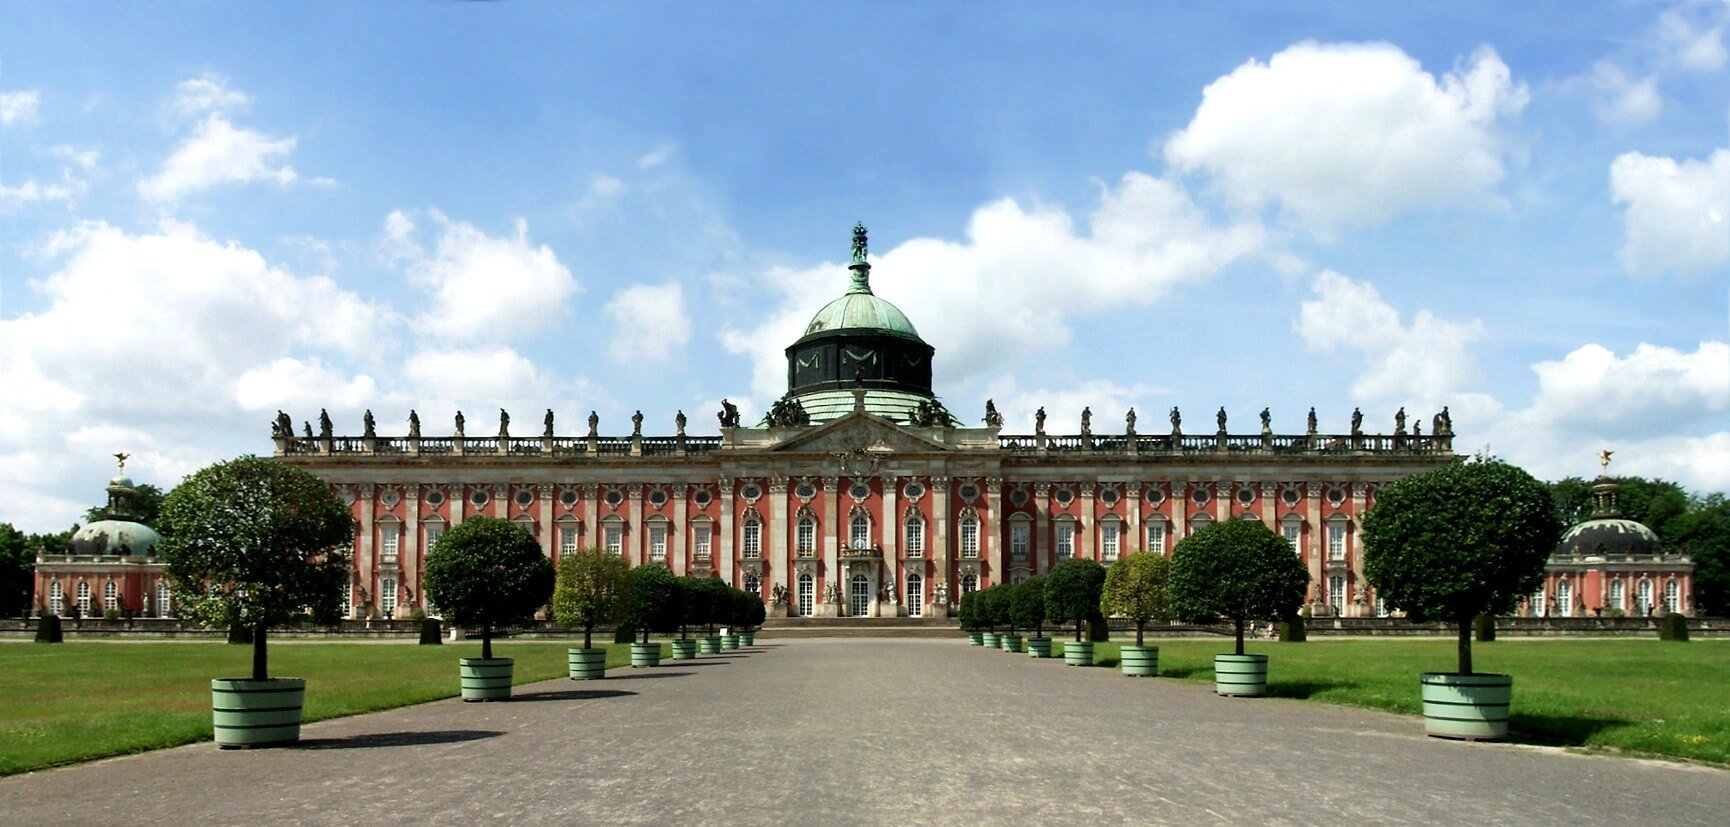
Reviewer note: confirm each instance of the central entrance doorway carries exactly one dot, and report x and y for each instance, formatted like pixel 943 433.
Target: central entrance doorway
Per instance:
pixel 915 596
pixel 859 596
pixel 807 595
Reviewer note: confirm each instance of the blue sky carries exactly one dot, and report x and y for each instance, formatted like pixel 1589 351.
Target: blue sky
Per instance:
pixel 210 211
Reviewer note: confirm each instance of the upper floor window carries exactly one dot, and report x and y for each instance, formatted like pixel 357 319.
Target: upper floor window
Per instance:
pixel 1292 530
pixel 567 539
pixel 1065 540
pixel 614 537
pixel 970 537
pixel 658 541
pixel 1156 537
pixel 753 538
pixel 700 540
pixel 805 536
pixel 859 532
pixel 432 532
pixel 1109 540
pixel 1199 522
pixel 1336 541
pixel 1018 534
pixel 915 537
pixel 390 542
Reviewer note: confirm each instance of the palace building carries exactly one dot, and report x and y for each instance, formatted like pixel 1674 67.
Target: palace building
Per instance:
pixel 1607 564
pixel 859 494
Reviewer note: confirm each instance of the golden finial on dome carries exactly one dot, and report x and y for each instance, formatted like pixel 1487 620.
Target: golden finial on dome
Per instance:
pixel 123 457
pixel 1604 458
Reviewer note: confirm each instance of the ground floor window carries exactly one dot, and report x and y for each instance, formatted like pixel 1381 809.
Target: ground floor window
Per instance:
pixel 1618 596
pixel 1672 596
pixel 1644 591
pixel 1337 593
pixel 1538 602
pixel 387 597
pixel 83 593
pixel 969 583
pixel 754 583
pixel 56 599
pixel 859 596
pixel 807 595
pixel 164 600
pixel 915 596
pixel 1565 598
pixel 348 599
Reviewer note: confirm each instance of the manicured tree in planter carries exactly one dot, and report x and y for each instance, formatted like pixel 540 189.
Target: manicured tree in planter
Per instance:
pixel 1451 544
pixel 709 599
pixel 594 587
pixel 735 615
pixel 1136 587
pixel 252 543
pixel 489 573
pixel 1027 608
pixel 1005 606
pixel 989 616
pixel 684 612
pixel 1239 570
pixel 754 615
pixel 967 614
pixel 657 605
pixel 1072 592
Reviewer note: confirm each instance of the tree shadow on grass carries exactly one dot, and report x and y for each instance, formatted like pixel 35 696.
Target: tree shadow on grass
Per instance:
pixel 397 739
pixel 633 676
pixel 572 695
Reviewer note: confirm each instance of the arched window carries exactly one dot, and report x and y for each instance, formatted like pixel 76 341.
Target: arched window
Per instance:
pixel 658 541
pixel 751 542
pixel 1672 596
pixel 527 523
pixel 859 596
pixel 110 597
pixel 915 596
pixel 915 536
pixel 1538 607
pixel 805 535
pixel 1199 522
pixel 389 541
pixel 387 597
pixel 702 538
pixel 1156 534
pixel 969 583
pixel 1565 598
pixel 754 583
pixel 570 536
pixel 83 593
pixel 1643 605
pixel 1337 593
pixel 859 532
pixel 969 534
pixel 1110 539
pixel 1336 539
pixel 1020 534
pixel 807 595
pixel 1292 529
pixel 1618 595
pixel 613 535
pixel 431 531
pixel 164 600
pixel 1065 546
pixel 56 599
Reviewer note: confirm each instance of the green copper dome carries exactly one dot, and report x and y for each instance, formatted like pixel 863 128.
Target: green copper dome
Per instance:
pixel 858 309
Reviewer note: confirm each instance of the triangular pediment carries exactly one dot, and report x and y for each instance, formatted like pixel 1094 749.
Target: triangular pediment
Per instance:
pixel 860 431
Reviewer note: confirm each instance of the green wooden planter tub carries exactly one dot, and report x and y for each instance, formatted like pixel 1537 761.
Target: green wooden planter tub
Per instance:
pixel 645 654
pixel 1039 647
pixel 1467 707
pixel 1240 676
pixel 486 679
pixel 976 638
pixel 729 641
pixel 587 664
pixel 1011 643
pixel 747 638
pixel 1139 661
pixel 1078 654
pixel 250 713
pixel 991 640
pixel 709 645
pixel 685 649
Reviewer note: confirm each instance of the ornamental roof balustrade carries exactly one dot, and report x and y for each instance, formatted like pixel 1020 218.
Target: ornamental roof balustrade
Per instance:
pixel 540 446
pixel 1230 443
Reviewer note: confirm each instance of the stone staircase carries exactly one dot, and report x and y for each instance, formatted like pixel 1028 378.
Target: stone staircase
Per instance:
pixel 912 627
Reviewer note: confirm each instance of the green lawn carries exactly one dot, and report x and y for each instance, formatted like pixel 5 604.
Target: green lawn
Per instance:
pixel 77 701
pixel 1643 696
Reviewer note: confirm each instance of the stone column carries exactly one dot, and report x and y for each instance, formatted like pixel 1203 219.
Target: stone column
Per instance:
pixel 549 535
pixel 636 548
pixel 832 575
pixel 1268 492
pixel 778 540
pixel 1222 501
pixel 1137 539
pixel 676 537
pixel 1315 539
pixel 501 501
pixel 723 546
pixel 1179 514
pixel 459 499
pixel 368 566
pixel 591 534
pixel 409 546
pixel 991 531
pixel 1084 526
pixel 940 543
pixel 1042 550
pixel 1354 553
pixel 891 534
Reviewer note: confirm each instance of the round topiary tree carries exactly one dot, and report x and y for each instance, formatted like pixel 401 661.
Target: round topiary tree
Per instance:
pixel 656 602
pixel 593 587
pixel 1238 570
pixel 252 543
pixel 1465 539
pixel 1137 588
pixel 1072 592
pixel 489 573
pixel 1027 606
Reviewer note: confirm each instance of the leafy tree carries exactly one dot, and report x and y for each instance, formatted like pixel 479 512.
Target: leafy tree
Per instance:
pixel 967 613
pixel 1704 535
pixel 594 587
pixel 489 573
pixel 1072 592
pixel 1002 603
pixel 755 611
pixel 709 602
pixel 1137 587
pixel 254 543
pixel 1239 570
pixel 1462 540
pixel 656 601
pixel 1027 605
pixel 17 571
pixel 146 506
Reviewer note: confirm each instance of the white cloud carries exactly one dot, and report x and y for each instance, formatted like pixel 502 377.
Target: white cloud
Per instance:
pixel 209 92
pixel 19 108
pixel 1020 269
pixel 1341 134
pixel 1621 99
pixel 1109 402
pixel 1698 49
pixel 482 288
pixel 302 384
pixel 1677 215
pixel 68 190
pixel 650 323
pixel 1654 389
pixel 218 152
pixel 496 375
pixel 1420 362
pixel 85 159
pixel 657 157
pixel 606 188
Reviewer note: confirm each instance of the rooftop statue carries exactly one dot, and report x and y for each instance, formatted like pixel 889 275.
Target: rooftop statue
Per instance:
pixel 1447 422
pixel 308 426
pixel 368 427
pixel 859 243
pixel 1312 421
pixel 323 423
pixel 729 414
pixel 1039 420
pixel 993 419
pixel 1400 420
pixel 413 424
pixel 931 414
pixel 459 423
pixel 594 423
pixel 1220 418
pixel 284 427
pixel 637 424
pixel 548 423
pixel 1129 422
pixel 1266 421
pixel 1604 459
pixel 1086 420
pixel 787 413
pixel 1176 422
pixel 504 424
pixel 679 422
pixel 1357 422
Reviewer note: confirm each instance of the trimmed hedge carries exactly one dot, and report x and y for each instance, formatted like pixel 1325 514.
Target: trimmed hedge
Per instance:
pixel 1673 626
